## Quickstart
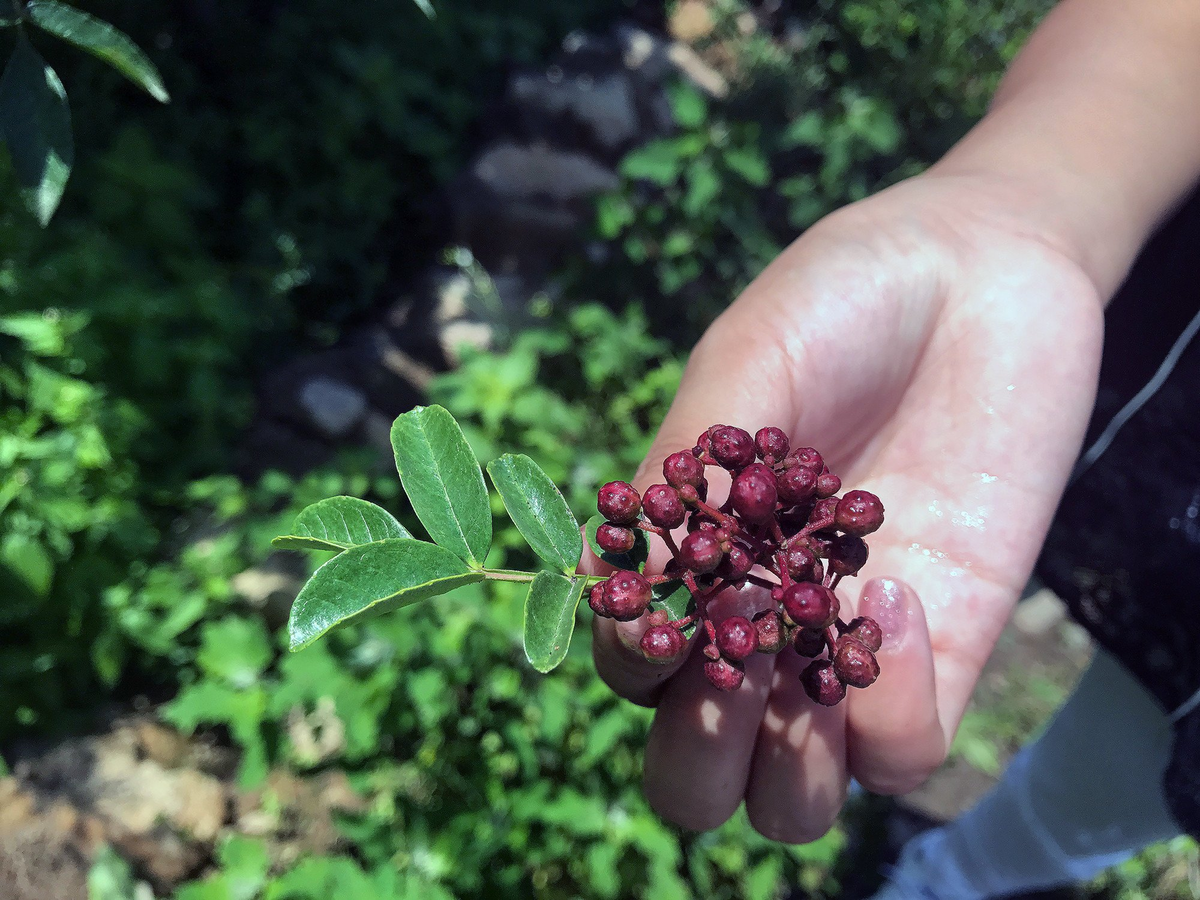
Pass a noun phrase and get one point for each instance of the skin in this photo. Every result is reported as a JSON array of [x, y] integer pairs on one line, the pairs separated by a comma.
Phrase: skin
[[939, 343]]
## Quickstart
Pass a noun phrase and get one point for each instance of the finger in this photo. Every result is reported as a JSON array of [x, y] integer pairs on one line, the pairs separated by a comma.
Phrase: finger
[[614, 644], [701, 743], [895, 738], [798, 779]]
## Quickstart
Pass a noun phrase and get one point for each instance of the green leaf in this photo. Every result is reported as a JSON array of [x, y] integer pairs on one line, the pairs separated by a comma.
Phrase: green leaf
[[340, 523], [688, 105], [443, 481], [35, 122], [538, 510], [101, 40], [749, 163], [550, 618], [676, 599], [633, 560], [371, 580], [30, 561], [659, 161]]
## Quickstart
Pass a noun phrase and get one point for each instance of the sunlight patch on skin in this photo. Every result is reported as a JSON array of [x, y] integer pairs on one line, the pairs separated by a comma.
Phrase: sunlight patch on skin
[[710, 716]]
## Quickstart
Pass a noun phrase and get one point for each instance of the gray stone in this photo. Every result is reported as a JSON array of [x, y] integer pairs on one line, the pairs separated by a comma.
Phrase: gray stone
[[604, 106], [332, 407], [515, 171]]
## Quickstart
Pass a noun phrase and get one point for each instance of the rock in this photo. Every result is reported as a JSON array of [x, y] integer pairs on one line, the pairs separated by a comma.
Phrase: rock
[[690, 21], [464, 333], [333, 407], [271, 586], [603, 106], [539, 171], [1039, 614]]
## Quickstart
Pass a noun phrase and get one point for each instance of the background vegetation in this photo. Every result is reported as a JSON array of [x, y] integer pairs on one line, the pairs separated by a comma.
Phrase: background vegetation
[[294, 181]]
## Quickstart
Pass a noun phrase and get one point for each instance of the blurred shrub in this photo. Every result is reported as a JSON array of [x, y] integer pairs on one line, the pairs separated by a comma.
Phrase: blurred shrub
[[830, 102]]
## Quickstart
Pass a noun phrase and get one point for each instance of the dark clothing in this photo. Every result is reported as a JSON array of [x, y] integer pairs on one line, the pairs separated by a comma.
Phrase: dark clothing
[[1124, 549]]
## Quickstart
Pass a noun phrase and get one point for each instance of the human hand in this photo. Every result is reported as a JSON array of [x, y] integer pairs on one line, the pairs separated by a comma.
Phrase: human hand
[[943, 355]]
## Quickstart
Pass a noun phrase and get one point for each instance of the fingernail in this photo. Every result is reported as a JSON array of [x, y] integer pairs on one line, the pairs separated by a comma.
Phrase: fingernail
[[630, 634], [889, 602]]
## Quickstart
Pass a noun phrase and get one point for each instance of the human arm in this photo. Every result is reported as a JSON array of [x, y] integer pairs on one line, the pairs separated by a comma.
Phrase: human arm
[[939, 343]]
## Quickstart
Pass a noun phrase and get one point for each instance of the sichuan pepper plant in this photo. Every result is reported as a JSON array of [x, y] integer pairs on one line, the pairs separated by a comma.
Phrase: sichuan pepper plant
[[783, 528]]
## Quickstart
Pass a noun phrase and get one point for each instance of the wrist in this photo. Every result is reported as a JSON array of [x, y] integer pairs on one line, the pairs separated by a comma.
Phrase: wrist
[[1036, 194]]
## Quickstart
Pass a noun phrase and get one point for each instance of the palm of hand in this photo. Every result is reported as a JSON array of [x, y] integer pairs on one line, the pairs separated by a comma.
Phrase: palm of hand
[[944, 362]]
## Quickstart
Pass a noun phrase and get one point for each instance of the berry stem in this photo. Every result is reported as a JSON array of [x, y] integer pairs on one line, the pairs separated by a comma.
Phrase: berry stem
[[725, 520]]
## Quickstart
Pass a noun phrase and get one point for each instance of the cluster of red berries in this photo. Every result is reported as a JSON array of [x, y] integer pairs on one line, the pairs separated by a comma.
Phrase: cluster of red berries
[[783, 528]]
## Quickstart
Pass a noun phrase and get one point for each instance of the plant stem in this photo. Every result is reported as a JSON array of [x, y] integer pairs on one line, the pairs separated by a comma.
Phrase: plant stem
[[519, 576]]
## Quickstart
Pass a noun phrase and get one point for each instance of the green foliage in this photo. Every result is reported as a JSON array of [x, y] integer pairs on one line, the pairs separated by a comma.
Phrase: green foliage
[[35, 119]]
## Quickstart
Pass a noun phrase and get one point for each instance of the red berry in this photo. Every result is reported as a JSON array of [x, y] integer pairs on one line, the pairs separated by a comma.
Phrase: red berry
[[772, 636], [700, 552], [801, 562], [690, 493], [683, 468], [753, 494], [737, 563], [811, 605], [704, 442], [828, 485], [854, 663], [723, 674], [596, 600], [618, 502], [859, 513], [796, 484], [809, 458], [626, 595], [866, 631], [822, 684], [847, 554], [697, 521], [732, 447], [823, 513], [663, 506], [809, 641], [772, 444], [662, 644], [615, 538], [737, 638]]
